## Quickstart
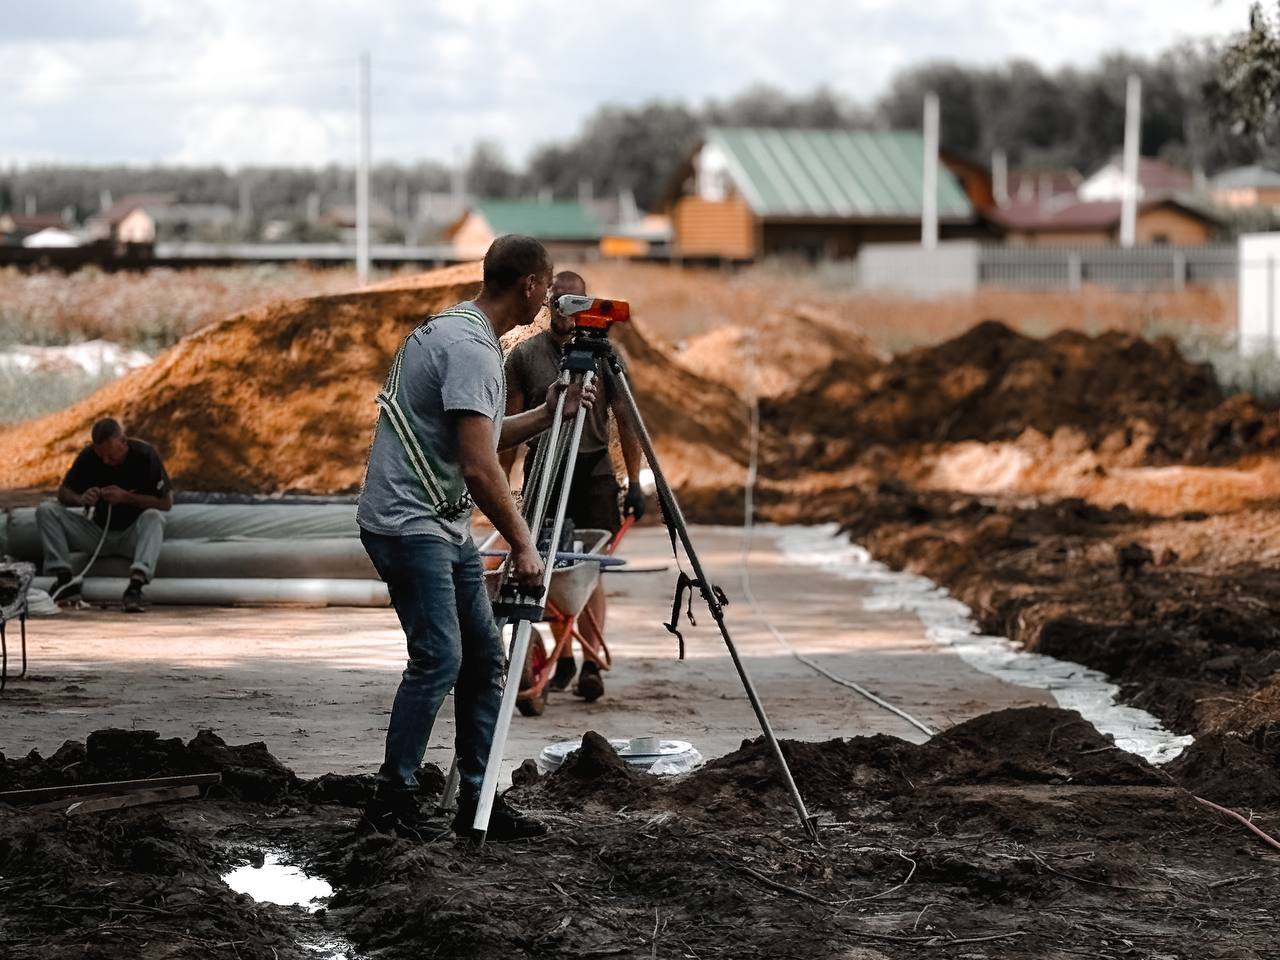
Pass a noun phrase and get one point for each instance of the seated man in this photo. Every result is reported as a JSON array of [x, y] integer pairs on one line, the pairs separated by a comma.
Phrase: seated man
[[531, 367], [113, 472]]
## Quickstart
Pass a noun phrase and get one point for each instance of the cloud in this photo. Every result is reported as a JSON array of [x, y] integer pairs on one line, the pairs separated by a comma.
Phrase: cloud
[[44, 76], [241, 81], [243, 134]]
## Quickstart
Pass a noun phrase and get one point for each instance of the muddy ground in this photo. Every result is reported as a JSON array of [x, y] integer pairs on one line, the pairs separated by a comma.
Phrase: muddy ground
[[1023, 833], [1180, 611]]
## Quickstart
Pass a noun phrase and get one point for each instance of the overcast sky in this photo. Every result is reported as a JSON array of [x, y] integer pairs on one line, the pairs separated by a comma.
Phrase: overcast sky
[[274, 81]]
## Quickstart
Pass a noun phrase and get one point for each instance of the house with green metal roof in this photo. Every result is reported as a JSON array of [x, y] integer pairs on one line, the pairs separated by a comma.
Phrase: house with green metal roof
[[748, 192], [566, 228]]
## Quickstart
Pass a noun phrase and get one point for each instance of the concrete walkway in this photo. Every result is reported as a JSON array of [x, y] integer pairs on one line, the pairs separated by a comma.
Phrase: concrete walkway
[[317, 684]]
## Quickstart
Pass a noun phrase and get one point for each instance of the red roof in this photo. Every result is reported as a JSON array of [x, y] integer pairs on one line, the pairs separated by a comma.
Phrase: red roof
[[1160, 176], [31, 222], [1077, 215], [1032, 183]]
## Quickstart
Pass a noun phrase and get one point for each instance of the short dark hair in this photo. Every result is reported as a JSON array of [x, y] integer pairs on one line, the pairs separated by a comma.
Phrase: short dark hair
[[567, 277], [511, 257], [105, 430]]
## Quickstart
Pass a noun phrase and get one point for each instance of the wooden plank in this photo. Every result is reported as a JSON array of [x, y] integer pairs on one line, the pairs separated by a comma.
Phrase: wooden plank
[[39, 794], [135, 799]]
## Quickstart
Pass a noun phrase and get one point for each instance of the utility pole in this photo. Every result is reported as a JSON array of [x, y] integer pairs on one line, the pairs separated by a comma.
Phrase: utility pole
[[929, 184], [362, 176], [1129, 188], [1000, 177]]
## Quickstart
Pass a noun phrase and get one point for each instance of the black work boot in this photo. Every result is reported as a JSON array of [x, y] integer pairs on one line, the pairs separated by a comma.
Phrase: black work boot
[[132, 599], [590, 684], [396, 811], [64, 587], [565, 669], [506, 823]]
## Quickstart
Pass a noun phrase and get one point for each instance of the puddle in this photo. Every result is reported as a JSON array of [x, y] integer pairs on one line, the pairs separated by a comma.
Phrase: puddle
[[276, 882], [287, 886], [949, 623]]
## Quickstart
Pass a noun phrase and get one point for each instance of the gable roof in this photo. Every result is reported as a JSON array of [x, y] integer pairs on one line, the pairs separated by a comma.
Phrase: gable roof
[[1255, 177], [834, 174], [1155, 175], [1083, 214], [543, 220], [127, 204]]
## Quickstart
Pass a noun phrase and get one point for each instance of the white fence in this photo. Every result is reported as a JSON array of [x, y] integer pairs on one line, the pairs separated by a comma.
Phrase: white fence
[[961, 266], [1135, 268]]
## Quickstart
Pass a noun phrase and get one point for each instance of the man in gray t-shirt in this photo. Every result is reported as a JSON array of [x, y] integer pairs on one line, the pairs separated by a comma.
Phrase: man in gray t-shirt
[[435, 456]]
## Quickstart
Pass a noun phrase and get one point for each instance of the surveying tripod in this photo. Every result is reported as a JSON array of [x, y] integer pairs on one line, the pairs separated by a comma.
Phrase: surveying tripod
[[556, 457]]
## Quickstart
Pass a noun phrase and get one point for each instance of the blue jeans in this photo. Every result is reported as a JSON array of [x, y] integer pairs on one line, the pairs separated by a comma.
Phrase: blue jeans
[[437, 588]]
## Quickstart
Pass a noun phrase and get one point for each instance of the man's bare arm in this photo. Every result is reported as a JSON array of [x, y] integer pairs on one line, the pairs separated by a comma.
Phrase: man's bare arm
[[488, 486], [144, 502], [140, 500], [524, 426], [507, 455], [69, 498]]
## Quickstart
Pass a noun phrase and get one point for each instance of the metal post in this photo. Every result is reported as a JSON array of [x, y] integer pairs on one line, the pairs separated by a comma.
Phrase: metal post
[[362, 176], [1075, 270], [929, 181], [1179, 270], [1132, 136], [1000, 178]]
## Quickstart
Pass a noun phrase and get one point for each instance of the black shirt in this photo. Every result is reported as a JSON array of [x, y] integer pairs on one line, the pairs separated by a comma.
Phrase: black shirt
[[141, 471]]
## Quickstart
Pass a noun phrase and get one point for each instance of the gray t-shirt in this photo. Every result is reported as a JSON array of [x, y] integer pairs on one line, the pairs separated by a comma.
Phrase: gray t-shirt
[[451, 364]]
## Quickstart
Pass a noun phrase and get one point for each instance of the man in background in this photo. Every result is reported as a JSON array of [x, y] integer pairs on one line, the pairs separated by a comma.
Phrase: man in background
[[531, 367], [124, 482]]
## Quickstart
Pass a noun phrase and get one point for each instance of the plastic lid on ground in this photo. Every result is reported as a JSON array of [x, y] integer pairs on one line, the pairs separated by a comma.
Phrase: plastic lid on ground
[[646, 754]]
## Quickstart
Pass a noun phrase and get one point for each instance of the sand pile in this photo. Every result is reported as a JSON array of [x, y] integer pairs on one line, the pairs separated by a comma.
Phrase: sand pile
[[777, 352], [280, 398]]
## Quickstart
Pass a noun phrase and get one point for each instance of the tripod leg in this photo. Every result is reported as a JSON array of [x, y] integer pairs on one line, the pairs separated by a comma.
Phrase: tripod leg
[[675, 518], [523, 628], [449, 795], [510, 691]]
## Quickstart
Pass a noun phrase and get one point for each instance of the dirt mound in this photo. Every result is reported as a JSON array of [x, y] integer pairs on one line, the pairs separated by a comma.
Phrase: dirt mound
[[1005, 831], [777, 352], [1033, 745], [249, 772], [1227, 770], [993, 384], [280, 398]]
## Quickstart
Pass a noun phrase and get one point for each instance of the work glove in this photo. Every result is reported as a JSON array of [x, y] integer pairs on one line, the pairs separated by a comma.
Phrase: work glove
[[633, 505]]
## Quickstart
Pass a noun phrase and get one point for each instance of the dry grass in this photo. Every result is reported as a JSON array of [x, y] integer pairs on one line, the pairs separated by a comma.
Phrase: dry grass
[[149, 310], [681, 304]]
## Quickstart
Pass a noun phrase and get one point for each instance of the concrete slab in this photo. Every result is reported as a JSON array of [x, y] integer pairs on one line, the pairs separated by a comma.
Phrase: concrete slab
[[317, 684]]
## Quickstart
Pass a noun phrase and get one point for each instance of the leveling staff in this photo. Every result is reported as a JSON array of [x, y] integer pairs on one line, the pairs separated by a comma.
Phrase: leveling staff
[[593, 495], [434, 456]]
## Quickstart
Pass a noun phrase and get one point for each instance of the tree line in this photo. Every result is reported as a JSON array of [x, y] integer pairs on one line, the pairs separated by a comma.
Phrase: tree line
[[1206, 107]]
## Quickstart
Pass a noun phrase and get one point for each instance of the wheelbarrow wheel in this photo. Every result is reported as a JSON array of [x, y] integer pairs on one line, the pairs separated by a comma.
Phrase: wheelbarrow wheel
[[534, 665]]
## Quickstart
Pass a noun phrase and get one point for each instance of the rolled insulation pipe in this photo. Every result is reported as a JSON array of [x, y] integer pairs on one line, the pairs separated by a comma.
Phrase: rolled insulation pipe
[[227, 592]]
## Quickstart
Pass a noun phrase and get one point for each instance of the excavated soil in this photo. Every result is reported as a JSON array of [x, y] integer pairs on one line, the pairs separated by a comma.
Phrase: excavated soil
[[1020, 834], [1178, 610], [992, 384], [280, 398]]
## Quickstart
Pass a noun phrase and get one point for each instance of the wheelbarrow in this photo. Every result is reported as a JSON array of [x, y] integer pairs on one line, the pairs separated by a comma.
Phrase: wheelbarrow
[[572, 583]]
